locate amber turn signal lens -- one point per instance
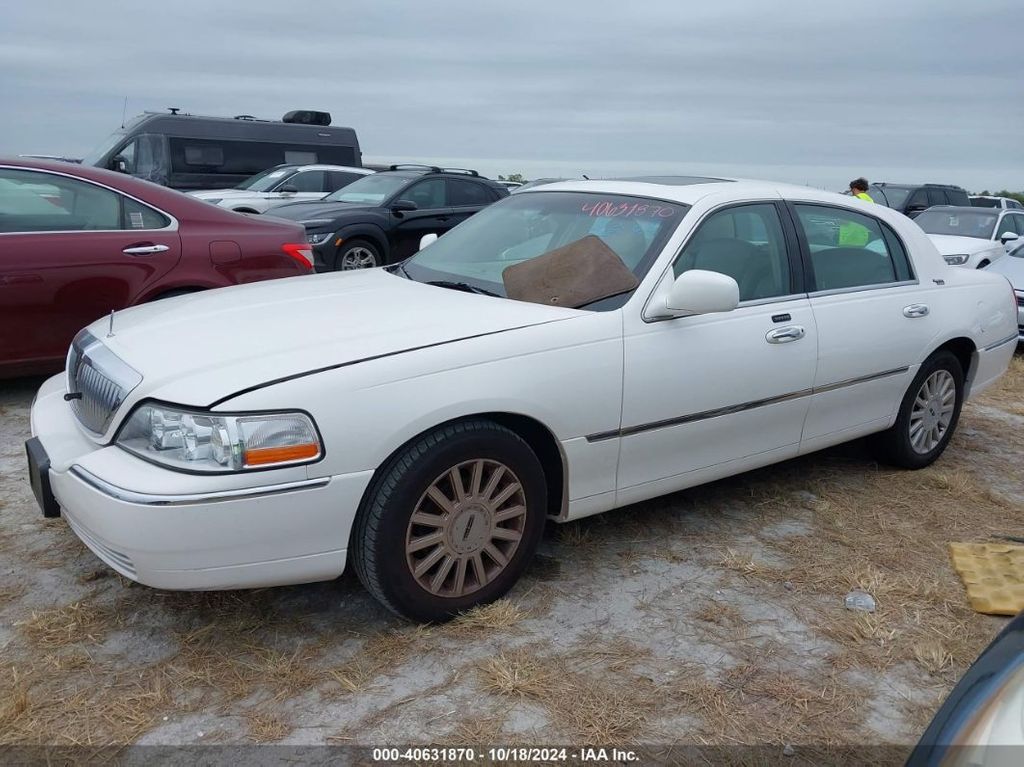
(261, 456)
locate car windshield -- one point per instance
(98, 153)
(263, 182)
(525, 226)
(967, 223)
(369, 189)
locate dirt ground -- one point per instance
(712, 616)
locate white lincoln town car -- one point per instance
(569, 350)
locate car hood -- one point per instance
(951, 244)
(1011, 267)
(315, 214)
(204, 347)
(222, 194)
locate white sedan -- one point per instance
(662, 333)
(281, 184)
(971, 237)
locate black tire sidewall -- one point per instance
(901, 449)
(356, 243)
(401, 591)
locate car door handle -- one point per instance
(145, 250)
(915, 310)
(785, 335)
(20, 279)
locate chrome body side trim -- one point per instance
(997, 344)
(189, 499)
(731, 409)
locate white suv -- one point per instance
(985, 201)
(283, 183)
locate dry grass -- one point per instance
(11, 593)
(595, 707)
(380, 653)
(501, 615)
(266, 726)
(81, 621)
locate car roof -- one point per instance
(965, 209)
(885, 184)
(690, 189)
(325, 166)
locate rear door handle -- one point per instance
(21, 279)
(145, 250)
(785, 335)
(915, 310)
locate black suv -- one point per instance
(380, 219)
(911, 199)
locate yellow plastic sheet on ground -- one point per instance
(993, 574)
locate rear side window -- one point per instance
(206, 155)
(851, 250)
(465, 193)
(299, 157)
(745, 243)
(139, 216)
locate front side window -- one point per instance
(369, 190)
(307, 181)
(1007, 226)
(526, 226)
(978, 223)
(745, 243)
(39, 202)
(849, 249)
(918, 200)
(266, 180)
(426, 194)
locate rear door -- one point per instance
(466, 198)
(872, 317)
(70, 252)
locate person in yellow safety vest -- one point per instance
(859, 189)
(852, 234)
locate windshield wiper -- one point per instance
(464, 286)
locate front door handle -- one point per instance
(915, 310)
(145, 250)
(785, 335)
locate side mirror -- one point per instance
(1009, 237)
(427, 239)
(403, 206)
(119, 164)
(698, 291)
(287, 189)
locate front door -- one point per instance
(709, 390)
(70, 252)
(432, 216)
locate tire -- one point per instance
(933, 419)
(390, 550)
(357, 254)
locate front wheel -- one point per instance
(357, 254)
(451, 522)
(928, 414)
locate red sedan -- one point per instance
(77, 242)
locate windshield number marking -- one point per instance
(611, 209)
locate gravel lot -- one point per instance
(713, 616)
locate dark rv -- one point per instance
(186, 151)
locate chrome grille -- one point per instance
(100, 379)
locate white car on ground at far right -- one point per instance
(281, 184)
(972, 237)
(986, 201)
(1012, 268)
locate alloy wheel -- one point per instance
(932, 411)
(358, 258)
(466, 528)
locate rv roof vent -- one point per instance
(307, 117)
(174, 110)
(244, 117)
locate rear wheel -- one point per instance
(357, 254)
(451, 522)
(928, 414)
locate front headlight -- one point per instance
(956, 260)
(193, 440)
(315, 238)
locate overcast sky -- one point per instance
(808, 91)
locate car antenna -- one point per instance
(124, 111)
(585, 176)
(110, 330)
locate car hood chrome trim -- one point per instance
(191, 499)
